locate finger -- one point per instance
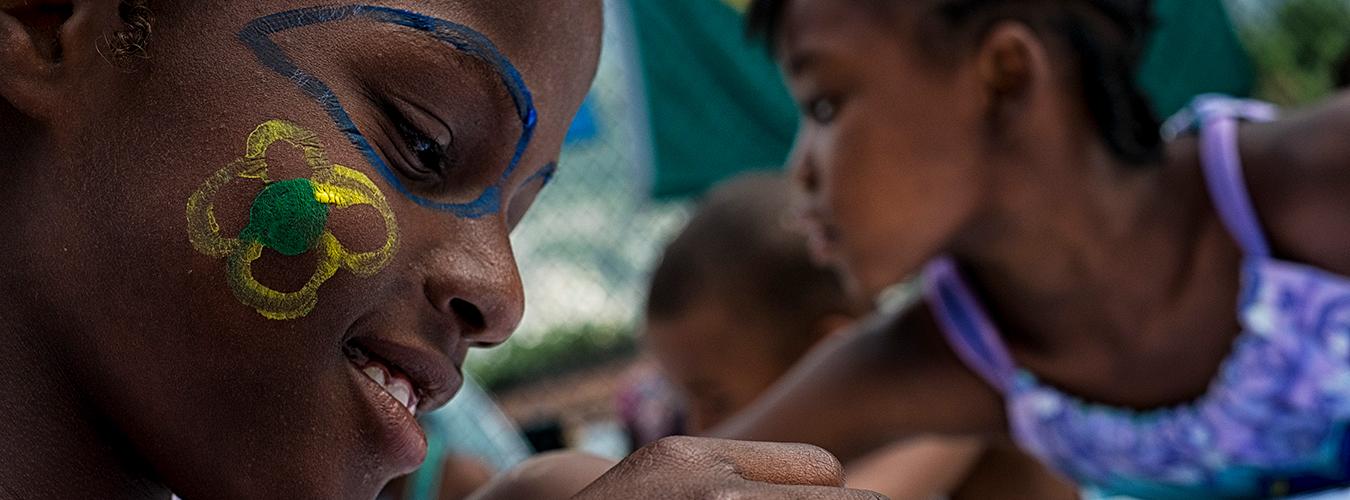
(788, 464)
(775, 463)
(765, 491)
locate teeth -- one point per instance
(394, 384)
(376, 373)
(400, 391)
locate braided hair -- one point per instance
(1106, 39)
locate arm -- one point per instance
(893, 378)
(1003, 471)
(1298, 174)
(682, 467)
(917, 468)
(557, 476)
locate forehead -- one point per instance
(258, 36)
(539, 36)
(712, 349)
(831, 25)
(710, 327)
(554, 43)
(543, 63)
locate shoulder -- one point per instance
(915, 349)
(913, 379)
(910, 333)
(1298, 175)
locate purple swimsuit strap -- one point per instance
(971, 333)
(1218, 119)
(968, 330)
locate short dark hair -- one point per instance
(1105, 38)
(740, 249)
(132, 40)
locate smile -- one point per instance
(394, 383)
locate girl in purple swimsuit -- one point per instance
(1155, 318)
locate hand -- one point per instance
(698, 468)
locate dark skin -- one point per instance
(155, 376)
(718, 356)
(144, 374)
(1095, 272)
(722, 359)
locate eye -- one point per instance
(822, 110)
(423, 156)
(429, 157)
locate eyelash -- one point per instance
(431, 159)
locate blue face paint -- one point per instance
(545, 173)
(257, 36)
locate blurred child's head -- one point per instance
(737, 300)
(231, 223)
(930, 125)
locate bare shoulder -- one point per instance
(911, 335)
(912, 355)
(891, 377)
(1298, 174)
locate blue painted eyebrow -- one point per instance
(257, 36)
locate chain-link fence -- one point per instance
(587, 245)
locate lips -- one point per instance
(394, 383)
(418, 379)
(399, 380)
(821, 236)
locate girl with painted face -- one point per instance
(1158, 318)
(248, 241)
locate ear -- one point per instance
(47, 44)
(1012, 63)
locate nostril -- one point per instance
(469, 314)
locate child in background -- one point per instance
(1154, 316)
(737, 301)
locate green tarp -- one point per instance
(1195, 51)
(716, 101)
(717, 104)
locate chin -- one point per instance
(855, 284)
(320, 430)
(867, 283)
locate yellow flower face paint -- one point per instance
(290, 217)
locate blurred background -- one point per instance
(677, 76)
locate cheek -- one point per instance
(291, 217)
(899, 189)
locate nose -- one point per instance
(801, 169)
(474, 281)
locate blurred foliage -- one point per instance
(1297, 46)
(562, 350)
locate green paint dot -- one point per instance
(285, 217)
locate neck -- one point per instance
(1091, 254)
(53, 445)
(53, 442)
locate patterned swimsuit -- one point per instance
(1274, 420)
